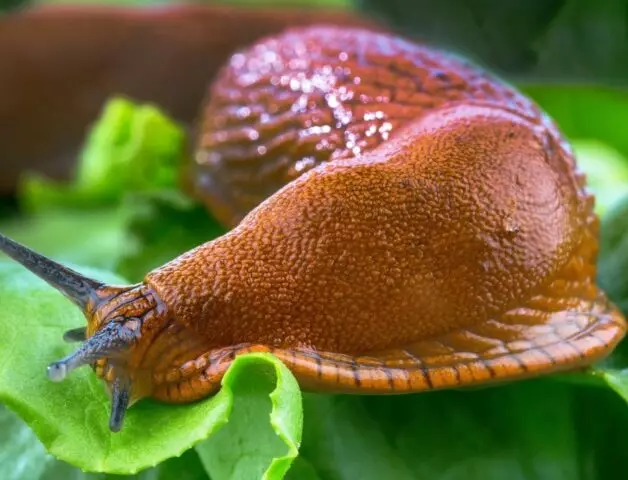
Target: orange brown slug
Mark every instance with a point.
(402, 222)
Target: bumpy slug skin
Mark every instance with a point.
(294, 102)
(567, 324)
(562, 321)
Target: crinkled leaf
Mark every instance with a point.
(124, 201)
(71, 418)
(131, 148)
(250, 447)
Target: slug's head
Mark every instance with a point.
(122, 323)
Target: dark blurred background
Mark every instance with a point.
(58, 65)
(574, 39)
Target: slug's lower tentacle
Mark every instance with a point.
(111, 343)
(120, 396)
(113, 338)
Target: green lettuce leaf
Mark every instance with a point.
(249, 447)
(539, 429)
(124, 201)
(71, 418)
(23, 457)
(130, 148)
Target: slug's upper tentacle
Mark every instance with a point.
(78, 288)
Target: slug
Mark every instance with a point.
(402, 222)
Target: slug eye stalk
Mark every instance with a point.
(78, 288)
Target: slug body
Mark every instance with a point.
(403, 222)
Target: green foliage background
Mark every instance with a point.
(559, 427)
